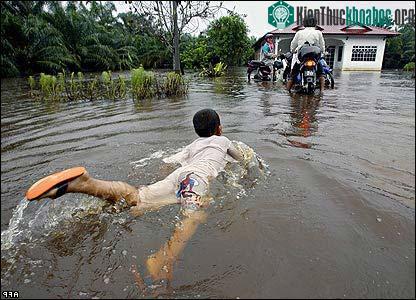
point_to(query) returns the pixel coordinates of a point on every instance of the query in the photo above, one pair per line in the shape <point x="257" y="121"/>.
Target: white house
<point x="350" y="48"/>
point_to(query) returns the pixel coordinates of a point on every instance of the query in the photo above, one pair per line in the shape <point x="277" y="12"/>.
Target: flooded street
<point x="333" y="218"/>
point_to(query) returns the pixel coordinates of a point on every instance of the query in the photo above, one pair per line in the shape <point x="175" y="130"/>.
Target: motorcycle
<point x="306" y="80"/>
<point x="326" y="69"/>
<point x="263" y="71"/>
<point x="286" y="60"/>
<point x="327" y="72"/>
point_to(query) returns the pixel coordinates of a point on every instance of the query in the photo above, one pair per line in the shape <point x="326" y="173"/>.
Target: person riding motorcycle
<point x="268" y="50"/>
<point x="312" y="36"/>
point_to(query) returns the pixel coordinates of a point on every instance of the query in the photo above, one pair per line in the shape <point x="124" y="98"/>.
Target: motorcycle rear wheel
<point x="331" y="80"/>
<point x="310" y="89"/>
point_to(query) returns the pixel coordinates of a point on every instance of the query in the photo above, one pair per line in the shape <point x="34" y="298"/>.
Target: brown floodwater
<point x="333" y="216"/>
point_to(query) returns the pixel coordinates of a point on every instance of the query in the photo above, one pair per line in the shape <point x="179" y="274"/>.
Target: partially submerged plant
<point x="107" y="84"/>
<point x="60" y="84"/>
<point x="175" y="85"/>
<point x="92" y="89"/>
<point x="32" y="82"/>
<point x="143" y="84"/>
<point x="32" y="85"/>
<point x="122" y="89"/>
<point x="409" y="66"/>
<point x="214" y="71"/>
<point x="106" y="77"/>
<point x="73" y="88"/>
<point x="114" y="88"/>
<point x="49" y="87"/>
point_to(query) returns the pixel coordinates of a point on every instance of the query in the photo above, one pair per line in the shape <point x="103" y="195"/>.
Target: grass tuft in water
<point x="175" y="85"/>
<point x="214" y="71"/>
<point x="143" y="84"/>
<point x="51" y="88"/>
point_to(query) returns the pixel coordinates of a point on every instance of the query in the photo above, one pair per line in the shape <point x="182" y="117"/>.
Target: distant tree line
<point x="49" y="36"/>
<point x="400" y="51"/>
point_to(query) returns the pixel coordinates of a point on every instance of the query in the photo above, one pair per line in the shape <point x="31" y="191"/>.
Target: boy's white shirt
<point x="206" y="156"/>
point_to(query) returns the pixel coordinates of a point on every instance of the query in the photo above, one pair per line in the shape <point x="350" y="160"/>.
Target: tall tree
<point x="228" y="40"/>
<point x="173" y="18"/>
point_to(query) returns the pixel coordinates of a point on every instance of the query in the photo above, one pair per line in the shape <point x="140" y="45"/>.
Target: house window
<point x="340" y="49"/>
<point x="331" y="56"/>
<point x="364" y="53"/>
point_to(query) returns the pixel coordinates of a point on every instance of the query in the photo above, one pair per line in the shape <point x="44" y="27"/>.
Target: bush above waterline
<point x="143" y="85"/>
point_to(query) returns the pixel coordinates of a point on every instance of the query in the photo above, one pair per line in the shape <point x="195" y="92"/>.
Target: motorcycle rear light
<point x="310" y="63"/>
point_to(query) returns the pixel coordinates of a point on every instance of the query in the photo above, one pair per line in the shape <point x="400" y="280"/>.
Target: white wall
<point x="348" y="65"/>
<point x="335" y="40"/>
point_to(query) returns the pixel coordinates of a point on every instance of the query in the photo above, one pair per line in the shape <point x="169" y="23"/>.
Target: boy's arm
<point x="234" y="153"/>
<point x="179" y="157"/>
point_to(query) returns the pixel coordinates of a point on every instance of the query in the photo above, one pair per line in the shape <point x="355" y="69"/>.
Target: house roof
<point x="341" y="29"/>
<point x="355" y="29"/>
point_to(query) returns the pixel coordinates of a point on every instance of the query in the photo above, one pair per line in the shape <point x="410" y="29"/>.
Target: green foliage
<point x="195" y="53"/>
<point x="58" y="36"/>
<point x="143" y="84"/>
<point x="409" y="66"/>
<point x="32" y="85"/>
<point x="113" y="88"/>
<point x="217" y="71"/>
<point x="32" y="82"/>
<point x="51" y="36"/>
<point x="92" y="89"/>
<point x="121" y="87"/>
<point x="175" y="85"/>
<point x="228" y="40"/>
<point x="152" y="53"/>
<point x="50" y="87"/>
<point x="73" y="87"/>
<point x="400" y="50"/>
<point x="220" y="68"/>
<point x="106" y="77"/>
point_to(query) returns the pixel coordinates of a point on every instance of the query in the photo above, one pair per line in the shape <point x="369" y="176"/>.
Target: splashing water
<point x="144" y="161"/>
<point x="10" y="235"/>
<point x="30" y="226"/>
<point x="238" y="177"/>
<point x="48" y="215"/>
<point x="33" y="225"/>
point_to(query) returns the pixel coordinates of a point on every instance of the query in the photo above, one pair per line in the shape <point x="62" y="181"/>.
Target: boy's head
<point x="207" y="123"/>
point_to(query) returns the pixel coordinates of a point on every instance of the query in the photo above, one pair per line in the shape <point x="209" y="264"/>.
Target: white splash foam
<point x="144" y="161"/>
<point x="9" y="235"/>
<point x="236" y="172"/>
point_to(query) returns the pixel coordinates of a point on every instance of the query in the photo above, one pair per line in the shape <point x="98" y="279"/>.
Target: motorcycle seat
<point x="257" y="62"/>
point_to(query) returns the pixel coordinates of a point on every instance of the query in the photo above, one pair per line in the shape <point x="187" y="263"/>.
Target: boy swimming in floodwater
<point x="200" y="161"/>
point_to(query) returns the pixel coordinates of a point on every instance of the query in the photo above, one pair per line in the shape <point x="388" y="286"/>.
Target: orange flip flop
<point x="52" y="181"/>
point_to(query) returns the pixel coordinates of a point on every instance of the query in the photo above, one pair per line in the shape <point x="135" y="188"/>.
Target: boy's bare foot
<point x="159" y="266"/>
<point x="156" y="289"/>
